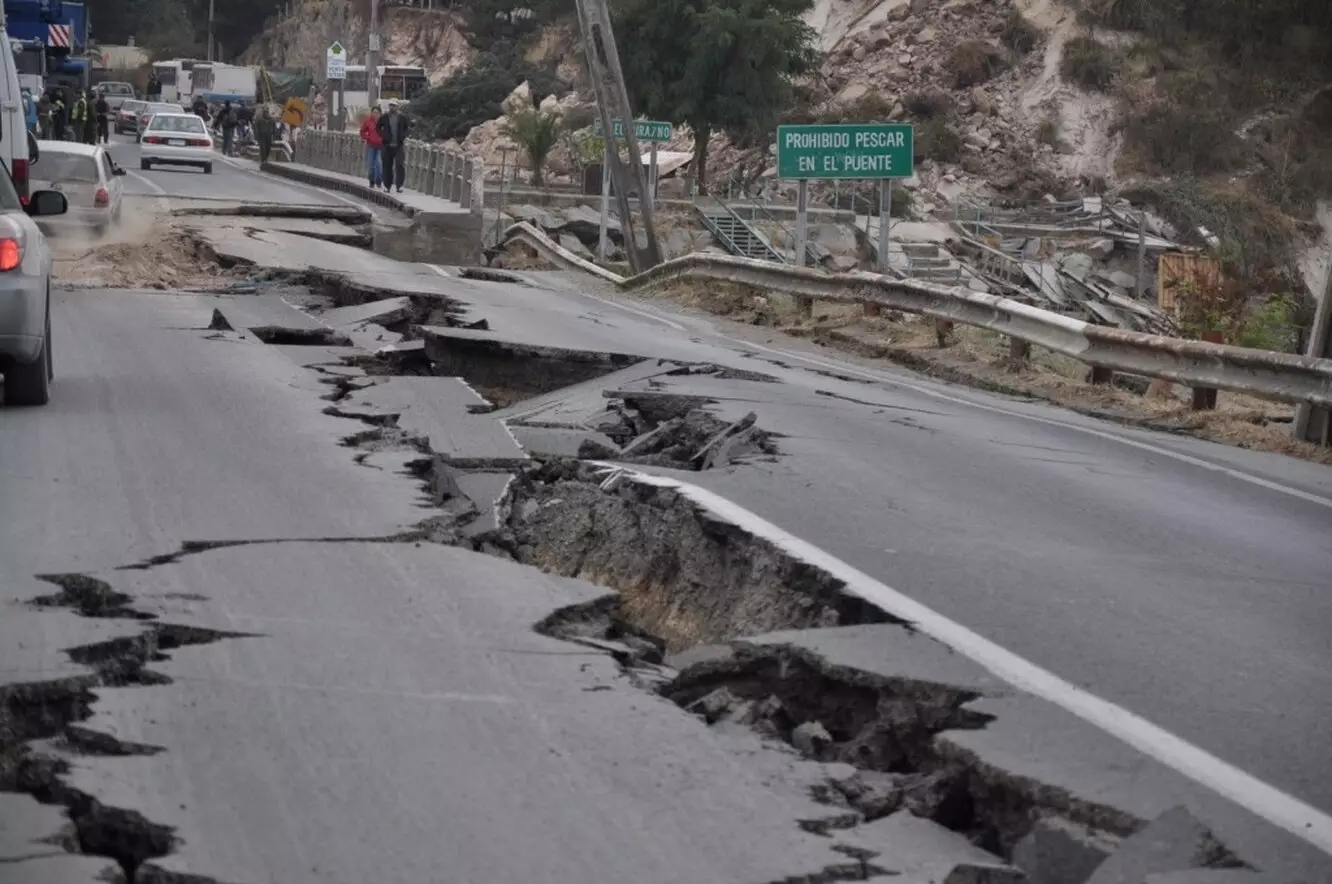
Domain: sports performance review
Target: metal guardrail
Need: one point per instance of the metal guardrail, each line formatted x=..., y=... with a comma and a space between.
x=1197, y=364
x=431, y=169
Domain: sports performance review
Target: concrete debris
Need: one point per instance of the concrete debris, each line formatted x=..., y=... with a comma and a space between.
x=811, y=739
x=1058, y=851
x=695, y=440
x=874, y=793
x=922, y=851
x=1176, y=841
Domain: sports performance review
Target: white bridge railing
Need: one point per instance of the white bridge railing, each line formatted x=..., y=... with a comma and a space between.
x=431, y=169
x=1196, y=364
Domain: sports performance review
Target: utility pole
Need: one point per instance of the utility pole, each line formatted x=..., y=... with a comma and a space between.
x=603, y=62
x=372, y=56
x=211, y=4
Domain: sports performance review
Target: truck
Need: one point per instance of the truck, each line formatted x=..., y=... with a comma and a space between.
x=216, y=83
x=62, y=27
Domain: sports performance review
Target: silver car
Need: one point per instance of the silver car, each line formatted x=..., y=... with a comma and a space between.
x=89, y=179
x=25, y=294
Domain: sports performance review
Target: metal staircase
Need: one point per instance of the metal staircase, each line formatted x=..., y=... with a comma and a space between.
x=736, y=234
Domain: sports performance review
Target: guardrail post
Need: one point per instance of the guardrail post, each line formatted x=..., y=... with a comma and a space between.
x=445, y=187
x=455, y=183
x=873, y=309
x=1102, y=376
x=943, y=332
x=1019, y=352
x=1204, y=398
x=477, y=186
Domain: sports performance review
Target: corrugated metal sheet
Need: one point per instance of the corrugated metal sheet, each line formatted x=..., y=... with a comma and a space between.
x=1176, y=271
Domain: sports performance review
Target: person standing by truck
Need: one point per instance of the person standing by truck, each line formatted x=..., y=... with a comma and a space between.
x=78, y=116
x=44, y=117
x=102, y=108
x=59, y=116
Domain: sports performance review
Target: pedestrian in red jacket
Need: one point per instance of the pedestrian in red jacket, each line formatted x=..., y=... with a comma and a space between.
x=374, y=148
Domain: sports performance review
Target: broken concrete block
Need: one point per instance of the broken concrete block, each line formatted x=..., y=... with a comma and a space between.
x=1175, y=841
x=575, y=245
x=919, y=851
x=707, y=456
x=1077, y=265
x=873, y=793
x=811, y=739
x=648, y=441
x=1102, y=249
x=1058, y=851
x=714, y=706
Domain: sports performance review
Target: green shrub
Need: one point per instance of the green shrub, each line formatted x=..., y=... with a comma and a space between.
x=929, y=104
x=1088, y=64
x=536, y=133
x=973, y=62
x=1019, y=34
x=937, y=140
x=1189, y=130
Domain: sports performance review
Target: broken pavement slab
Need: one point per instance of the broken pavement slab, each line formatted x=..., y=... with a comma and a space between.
x=437, y=408
x=1176, y=841
x=922, y=852
x=385, y=312
x=1059, y=851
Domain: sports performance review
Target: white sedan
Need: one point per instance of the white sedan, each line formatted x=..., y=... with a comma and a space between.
x=89, y=179
x=178, y=139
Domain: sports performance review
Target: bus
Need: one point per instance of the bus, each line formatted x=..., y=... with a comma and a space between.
x=176, y=79
x=216, y=82
x=395, y=81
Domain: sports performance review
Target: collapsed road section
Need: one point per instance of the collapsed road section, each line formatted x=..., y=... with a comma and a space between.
x=561, y=458
x=703, y=611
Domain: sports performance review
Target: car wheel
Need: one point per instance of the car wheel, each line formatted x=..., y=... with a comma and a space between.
x=208, y=168
x=145, y=164
x=50, y=358
x=30, y=384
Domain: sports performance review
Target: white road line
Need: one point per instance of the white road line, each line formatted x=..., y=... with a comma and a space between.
x=883, y=378
x=1277, y=807
x=440, y=270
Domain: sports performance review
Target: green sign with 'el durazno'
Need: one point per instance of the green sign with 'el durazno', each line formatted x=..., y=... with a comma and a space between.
x=846, y=151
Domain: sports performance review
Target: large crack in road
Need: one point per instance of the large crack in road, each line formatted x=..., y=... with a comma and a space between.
x=689, y=591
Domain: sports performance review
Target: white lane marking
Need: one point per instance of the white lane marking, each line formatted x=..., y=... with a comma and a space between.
x=635, y=310
x=440, y=270
x=884, y=378
x=1256, y=796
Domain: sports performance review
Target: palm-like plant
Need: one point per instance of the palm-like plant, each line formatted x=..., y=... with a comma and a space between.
x=536, y=133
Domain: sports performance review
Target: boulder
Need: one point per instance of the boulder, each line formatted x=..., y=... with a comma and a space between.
x=575, y=245
x=584, y=222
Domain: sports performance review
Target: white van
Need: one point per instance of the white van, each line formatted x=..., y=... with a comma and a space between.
x=18, y=146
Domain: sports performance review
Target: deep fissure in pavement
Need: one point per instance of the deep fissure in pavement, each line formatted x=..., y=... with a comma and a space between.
x=502, y=372
x=684, y=578
x=53, y=712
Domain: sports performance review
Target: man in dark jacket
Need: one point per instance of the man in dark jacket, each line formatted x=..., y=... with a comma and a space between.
x=226, y=118
x=200, y=108
x=265, y=130
x=103, y=111
x=59, y=116
x=394, y=128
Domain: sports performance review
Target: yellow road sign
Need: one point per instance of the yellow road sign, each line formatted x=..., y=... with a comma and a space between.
x=293, y=112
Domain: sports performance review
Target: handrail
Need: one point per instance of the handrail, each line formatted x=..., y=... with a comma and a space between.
x=1199, y=364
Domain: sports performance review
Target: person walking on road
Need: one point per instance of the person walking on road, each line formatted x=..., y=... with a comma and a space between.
x=200, y=108
x=374, y=148
x=78, y=116
x=226, y=118
x=265, y=129
x=154, y=90
x=103, y=111
x=394, y=128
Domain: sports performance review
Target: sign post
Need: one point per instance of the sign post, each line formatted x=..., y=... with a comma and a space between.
x=878, y=151
x=335, y=71
x=652, y=131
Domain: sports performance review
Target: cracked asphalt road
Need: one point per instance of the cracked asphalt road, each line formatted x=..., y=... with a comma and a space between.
x=390, y=713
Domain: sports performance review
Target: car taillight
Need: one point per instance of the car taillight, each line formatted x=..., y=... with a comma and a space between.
x=20, y=176
x=152, y=139
x=11, y=253
x=197, y=142
x=102, y=199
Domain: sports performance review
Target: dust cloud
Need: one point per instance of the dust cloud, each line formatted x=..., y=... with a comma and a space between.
x=147, y=249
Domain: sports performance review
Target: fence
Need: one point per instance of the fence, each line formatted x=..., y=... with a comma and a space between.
x=432, y=169
x=1197, y=364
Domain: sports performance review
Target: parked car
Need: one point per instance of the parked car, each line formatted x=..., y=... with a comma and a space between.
x=127, y=116
x=154, y=107
x=176, y=139
x=89, y=179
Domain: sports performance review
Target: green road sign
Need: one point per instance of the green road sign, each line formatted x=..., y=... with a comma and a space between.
x=847, y=151
x=644, y=130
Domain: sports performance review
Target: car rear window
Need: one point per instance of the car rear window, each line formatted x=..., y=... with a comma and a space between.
x=191, y=124
x=162, y=109
x=134, y=106
x=117, y=88
x=56, y=166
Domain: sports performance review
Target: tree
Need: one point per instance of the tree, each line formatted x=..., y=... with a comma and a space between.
x=536, y=132
x=715, y=65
